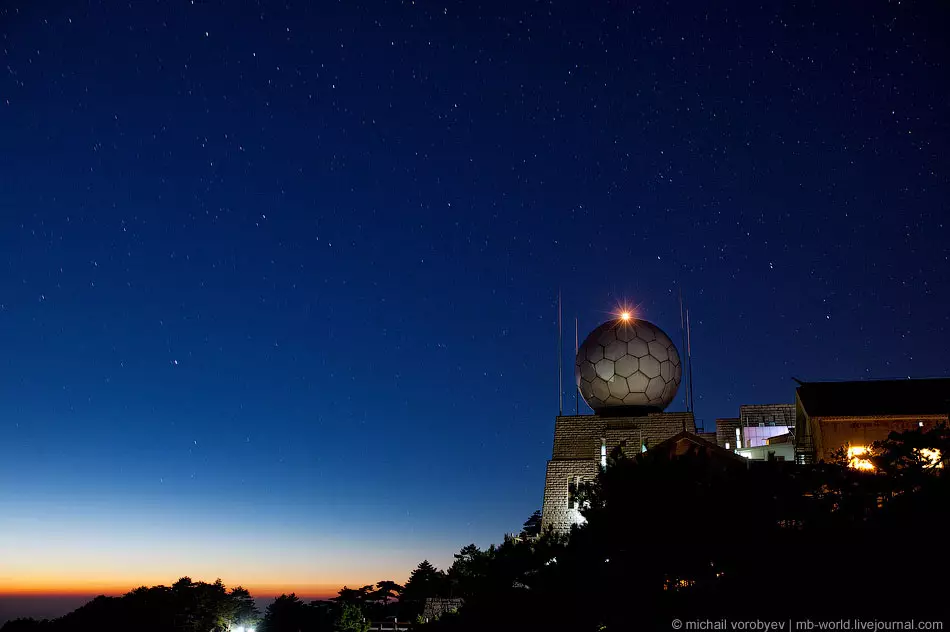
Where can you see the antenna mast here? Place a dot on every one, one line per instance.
(560, 354)
(683, 342)
(576, 404)
(689, 354)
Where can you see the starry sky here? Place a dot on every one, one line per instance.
(278, 281)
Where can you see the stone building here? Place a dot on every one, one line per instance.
(581, 446)
(628, 371)
(853, 415)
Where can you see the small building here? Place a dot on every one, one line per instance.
(853, 415)
(686, 442)
(754, 427)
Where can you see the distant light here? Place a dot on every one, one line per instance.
(920, 424)
(858, 458)
(626, 316)
(932, 457)
(727, 445)
(240, 628)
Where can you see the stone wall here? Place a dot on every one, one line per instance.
(580, 437)
(763, 414)
(435, 607)
(578, 443)
(726, 432)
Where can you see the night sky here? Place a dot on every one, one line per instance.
(278, 282)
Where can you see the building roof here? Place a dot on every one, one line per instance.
(685, 441)
(868, 398)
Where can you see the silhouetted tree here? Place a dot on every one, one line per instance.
(532, 526)
(684, 536)
(425, 581)
(386, 591)
(286, 613)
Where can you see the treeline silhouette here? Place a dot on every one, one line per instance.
(700, 535)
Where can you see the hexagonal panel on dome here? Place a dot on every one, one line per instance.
(625, 332)
(595, 353)
(658, 350)
(616, 350)
(669, 391)
(587, 371)
(605, 369)
(626, 366)
(655, 388)
(674, 355)
(666, 370)
(645, 332)
(636, 399)
(638, 382)
(618, 387)
(607, 336)
(599, 389)
(638, 348)
(650, 366)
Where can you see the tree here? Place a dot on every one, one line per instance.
(425, 581)
(532, 526)
(386, 591)
(351, 619)
(241, 608)
(357, 596)
(286, 613)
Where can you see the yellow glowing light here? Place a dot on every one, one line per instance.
(932, 457)
(858, 458)
(626, 316)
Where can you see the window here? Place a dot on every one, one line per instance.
(727, 445)
(573, 491)
(603, 454)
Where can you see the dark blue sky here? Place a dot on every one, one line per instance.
(278, 289)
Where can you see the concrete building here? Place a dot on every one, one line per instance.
(581, 446)
(628, 371)
(833, 415)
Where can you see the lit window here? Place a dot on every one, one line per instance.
(920, 424)
(738, 438)
(727, 445)
(603, 454)
(573, 491)
(643, 447)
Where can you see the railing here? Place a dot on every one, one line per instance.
(382, 626)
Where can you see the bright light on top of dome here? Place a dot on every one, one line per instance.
(626, 316)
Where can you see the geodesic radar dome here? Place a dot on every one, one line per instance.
(628, 364)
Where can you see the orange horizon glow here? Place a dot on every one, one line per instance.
(257, 590)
